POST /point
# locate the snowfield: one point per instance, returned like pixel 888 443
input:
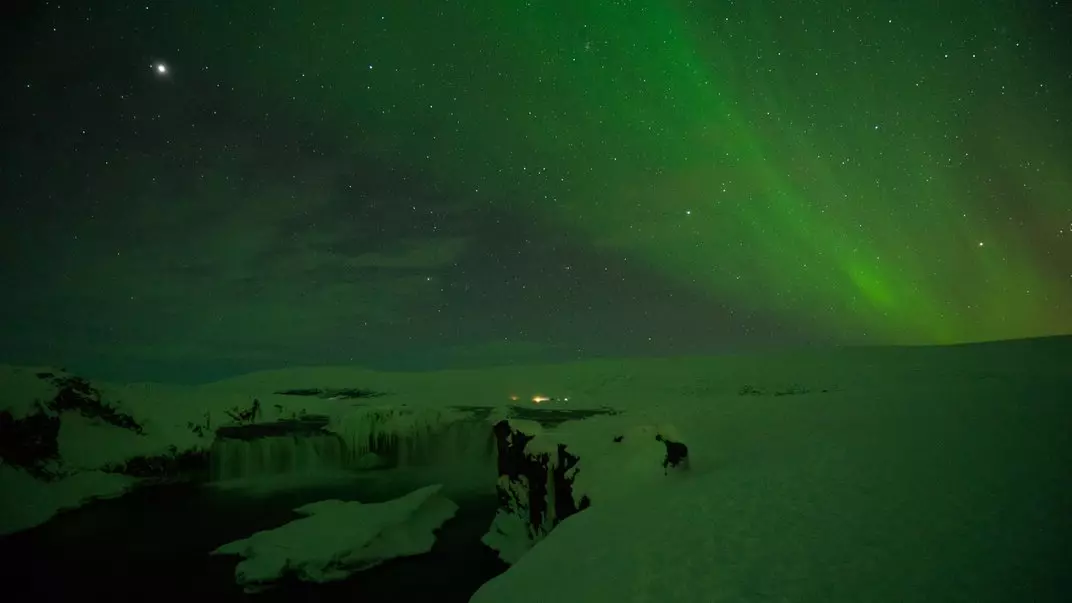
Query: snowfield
pixel 872 474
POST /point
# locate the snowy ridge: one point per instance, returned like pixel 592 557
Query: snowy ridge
pixel 618 456
pixel 619 453
pixel 24 391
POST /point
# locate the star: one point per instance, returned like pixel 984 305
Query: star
pixel 160 69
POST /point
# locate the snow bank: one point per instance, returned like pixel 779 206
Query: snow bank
pixel 338 538
pixel 26 502
pixel 618 455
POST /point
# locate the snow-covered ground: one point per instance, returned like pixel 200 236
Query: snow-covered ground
pixel 26 502
pixel 877 474
pixel 923 475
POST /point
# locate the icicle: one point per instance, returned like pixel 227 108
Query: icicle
pixel 406 437
pixel 276 455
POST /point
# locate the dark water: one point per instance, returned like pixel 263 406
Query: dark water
pixel 153 545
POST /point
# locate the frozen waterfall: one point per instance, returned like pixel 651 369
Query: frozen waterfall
pixel 276 455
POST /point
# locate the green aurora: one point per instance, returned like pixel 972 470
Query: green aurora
pixel 864 171
pixel 200 189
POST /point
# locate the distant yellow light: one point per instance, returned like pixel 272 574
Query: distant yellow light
pixel 538 399
pixel 514 398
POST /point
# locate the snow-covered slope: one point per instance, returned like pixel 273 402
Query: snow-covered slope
pixel 941 475
pixel 26 502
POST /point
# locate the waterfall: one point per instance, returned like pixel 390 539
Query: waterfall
pixel 233 458
pixel 418 446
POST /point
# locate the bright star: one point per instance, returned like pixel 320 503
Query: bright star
pixel 160 68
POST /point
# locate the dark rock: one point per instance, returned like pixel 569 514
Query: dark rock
pixel 514 463
pixel 551 417
pixel 565 505
pixel 188 465
pixel 248 415
pixel 478 413
pixel 201 429
pixel 75 393
pixel 309 391
pixel 524 496
pixel 347 393
pixel 31 442
pixel 307 425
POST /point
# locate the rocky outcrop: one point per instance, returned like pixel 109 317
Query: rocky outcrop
pixel 538 476
pixel 30 442
pixel 535 485
pixel 175 465
pixel 345 393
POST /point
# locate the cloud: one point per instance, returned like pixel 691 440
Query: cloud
pixel 241 275
pixel 416 254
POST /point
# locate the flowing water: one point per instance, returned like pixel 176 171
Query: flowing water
pixel 153 544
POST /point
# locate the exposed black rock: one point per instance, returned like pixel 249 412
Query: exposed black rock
pixel 346 393
pixel 792 390
pixel 478 413
pixel 551 417
pixel 248 415
pixel 565 505
pixel 307 425
pixel 514 464
pixel 308 391
pixel 30 442
pixel 188 465
pixel 75 393
pixel 201 429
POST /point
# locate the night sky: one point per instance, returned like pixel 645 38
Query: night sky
pixel 193 189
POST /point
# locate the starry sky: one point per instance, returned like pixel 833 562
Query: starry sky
pixel 195 189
